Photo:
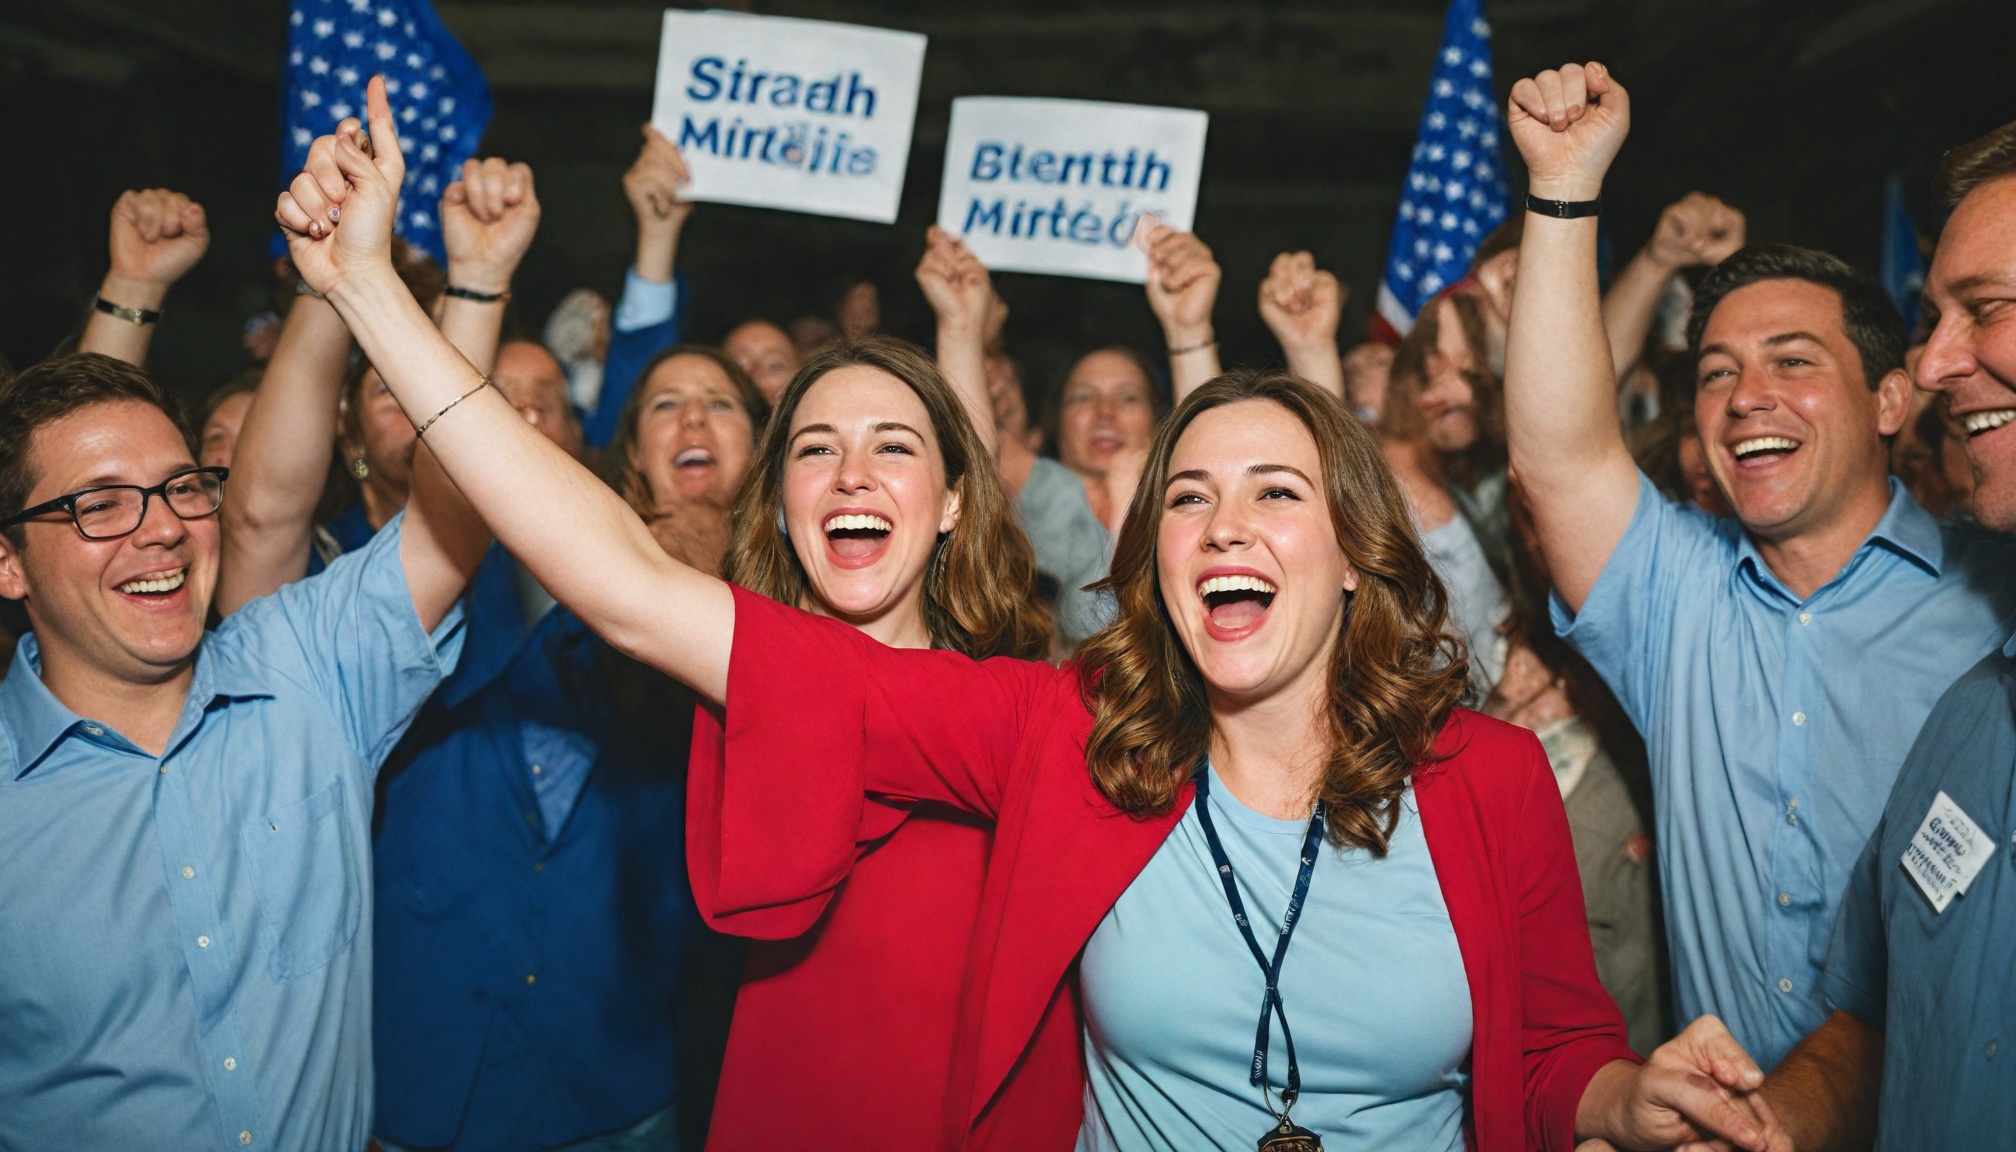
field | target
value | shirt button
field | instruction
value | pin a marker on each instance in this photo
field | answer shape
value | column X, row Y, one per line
column 1784, row 985
column 1805, row 618
column 230, row 1064
column 1992, row 1046
column 1784, row 899
column 188, row 873
column 539, row 866
column 536, row 770
column 1798, row 719
column 529, row 978
column 202, row 941
column 244, row 1137
column 94, row 729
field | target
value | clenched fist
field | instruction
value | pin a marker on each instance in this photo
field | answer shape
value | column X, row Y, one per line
column 488, row 219
column 1301, row 303
column 955, row 282
column 157, row 236
column 1695, row 231
column 1182, row 282
column 652, row 184
column 1569, row 124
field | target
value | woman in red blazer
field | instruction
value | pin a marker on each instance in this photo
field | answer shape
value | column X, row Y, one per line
column 1310, row 681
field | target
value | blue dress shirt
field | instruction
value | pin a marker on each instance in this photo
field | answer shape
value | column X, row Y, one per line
column 188, row 937
column 1775, row 727
column 1942, row 985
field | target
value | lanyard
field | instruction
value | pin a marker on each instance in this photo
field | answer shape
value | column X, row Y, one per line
column 1270, row 1005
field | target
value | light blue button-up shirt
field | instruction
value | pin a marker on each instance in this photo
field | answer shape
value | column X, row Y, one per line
column 1776, row 726
column 185, row 941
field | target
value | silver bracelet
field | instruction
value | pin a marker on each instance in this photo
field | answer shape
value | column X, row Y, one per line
column 486, row 382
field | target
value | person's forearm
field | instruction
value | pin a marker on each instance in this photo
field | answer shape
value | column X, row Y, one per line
column 120, row 339
column 475, row 327
column 572, row 533
column 1193, row 358
column 441, row 542
column 1320, row 364
column 658, row 250
column 1629, row 308
column 962, row 357
column 281, row 460
column 1825, row 1092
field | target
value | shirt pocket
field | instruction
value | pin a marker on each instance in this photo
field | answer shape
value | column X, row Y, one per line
column 308, row 883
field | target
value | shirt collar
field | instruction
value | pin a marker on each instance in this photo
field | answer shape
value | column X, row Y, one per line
column 37, row 721
column 1905, row 529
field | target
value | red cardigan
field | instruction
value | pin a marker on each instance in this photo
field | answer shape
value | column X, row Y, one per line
column 825, row 728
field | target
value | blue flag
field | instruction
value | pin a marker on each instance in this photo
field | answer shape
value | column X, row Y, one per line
column 440, row 99
column 1903, row 265
column 1455, row 193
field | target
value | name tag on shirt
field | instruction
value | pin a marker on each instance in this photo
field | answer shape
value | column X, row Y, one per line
column 1947, row 852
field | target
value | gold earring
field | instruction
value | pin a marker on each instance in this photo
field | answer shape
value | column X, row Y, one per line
column 360, row 469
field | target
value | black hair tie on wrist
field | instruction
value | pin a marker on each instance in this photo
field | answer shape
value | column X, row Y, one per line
column 1563, row 209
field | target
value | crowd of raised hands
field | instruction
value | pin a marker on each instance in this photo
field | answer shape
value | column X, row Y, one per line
column 1523, row 420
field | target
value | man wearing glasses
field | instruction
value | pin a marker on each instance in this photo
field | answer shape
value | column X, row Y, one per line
column 185, row 816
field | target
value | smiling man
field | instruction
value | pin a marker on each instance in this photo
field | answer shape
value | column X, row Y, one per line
column 1918, row 973
column 1779, row 661
column 185, row 815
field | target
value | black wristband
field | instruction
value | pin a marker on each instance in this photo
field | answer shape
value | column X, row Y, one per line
column 130, row 315
column 478, row 297
column 1563, row 209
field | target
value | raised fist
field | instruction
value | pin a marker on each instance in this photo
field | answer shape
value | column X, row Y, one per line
column 1696, row 230
column 157, row 236
column 1568, row 125
column 1301, row 303
column 955, row 282
column 338, row 212
column 488, row 219
column 1182, row 282
column 653, row 182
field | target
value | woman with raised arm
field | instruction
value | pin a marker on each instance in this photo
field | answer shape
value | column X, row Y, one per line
column 1279, row 645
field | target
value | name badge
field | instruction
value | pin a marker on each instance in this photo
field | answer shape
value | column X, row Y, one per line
column 1946, row 853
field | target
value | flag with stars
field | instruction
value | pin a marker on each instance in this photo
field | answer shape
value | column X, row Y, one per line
column 1455, row 192
column 440, row 100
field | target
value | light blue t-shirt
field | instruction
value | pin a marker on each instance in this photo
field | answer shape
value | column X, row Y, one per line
column 1373, row 985
column 1776, row 727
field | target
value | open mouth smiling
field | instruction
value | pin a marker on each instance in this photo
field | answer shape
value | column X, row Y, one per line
column 158, row 584
column 1235, row 604
column 857, row 538
column 694, row 457
column 1762, row 448
column 1977, row 423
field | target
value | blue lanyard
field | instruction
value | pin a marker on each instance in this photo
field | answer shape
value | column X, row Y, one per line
column 1270, row 1005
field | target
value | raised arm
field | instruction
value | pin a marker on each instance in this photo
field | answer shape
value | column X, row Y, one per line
column 1301, row 305
column 488, row 219
column 157, row 236
column 647, row 319
column 1560, row 389
column 1182, row 288
column 281, row 461
column 961, row 294
column 1695, row 231
column 576, row 537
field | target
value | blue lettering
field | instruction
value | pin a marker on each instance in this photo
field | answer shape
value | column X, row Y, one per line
column 976, row 216
column 987, row 162
column 1043, row 167
column 856, row 88
column 820, row 96
column 1083, row 161
column 702, row 76
column 784, row 93
column 707, row 139
column 1085, row 226
column 861, row 162
column 1148, row 171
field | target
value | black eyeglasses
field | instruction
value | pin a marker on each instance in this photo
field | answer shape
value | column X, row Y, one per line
column 115, row 510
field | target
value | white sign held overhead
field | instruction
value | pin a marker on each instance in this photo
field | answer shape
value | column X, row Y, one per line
column 803, row 115
column 1059, row 185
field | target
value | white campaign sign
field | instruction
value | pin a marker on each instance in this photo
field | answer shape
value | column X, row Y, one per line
column 803, row 115
column 1059, row 185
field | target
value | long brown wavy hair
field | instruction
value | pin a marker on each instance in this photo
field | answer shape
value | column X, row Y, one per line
column 979, row 587
column 1396, row 672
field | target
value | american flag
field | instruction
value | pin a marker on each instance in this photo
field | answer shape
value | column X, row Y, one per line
column 439, row 97
column 1456, row 192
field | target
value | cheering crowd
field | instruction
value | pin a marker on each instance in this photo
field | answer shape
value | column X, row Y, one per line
column 1589, row 723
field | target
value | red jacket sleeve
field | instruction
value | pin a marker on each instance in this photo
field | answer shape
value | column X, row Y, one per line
column 826, row 739
column 1571, row 1026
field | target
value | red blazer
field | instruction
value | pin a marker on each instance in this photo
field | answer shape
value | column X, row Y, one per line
column 825, row 728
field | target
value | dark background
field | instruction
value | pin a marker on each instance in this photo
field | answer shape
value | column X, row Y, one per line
column 1794, row 111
